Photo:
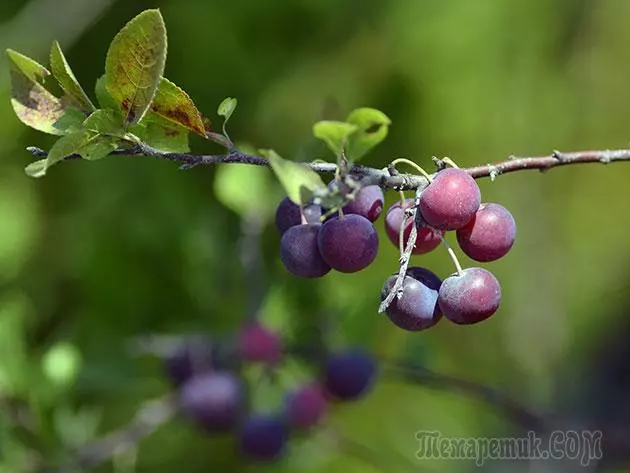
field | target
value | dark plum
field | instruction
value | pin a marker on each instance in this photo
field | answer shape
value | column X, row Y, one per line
column 256, row 343
column 213, row 400
column 193, row 355
column 288, row 214
column 263, row 437
column 470, row 297
column 348, row 375
column 348, row 244
column 489, row 235
column 427, row 239
column 368, row 202
column 450, row 200
column 299, row 251
column 418, row 307
column 305, row 407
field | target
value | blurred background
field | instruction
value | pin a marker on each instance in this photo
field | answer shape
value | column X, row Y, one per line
column 97, row 253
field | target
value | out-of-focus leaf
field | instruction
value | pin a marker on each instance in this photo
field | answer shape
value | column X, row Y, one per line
column 61, row 364
column 335, row 134
column 66, row 78
column 298, row 180
column 36, row 169
column 160, row 133
column 33, row 104
column 173, row 104
column 135, row 64
column 373, row 126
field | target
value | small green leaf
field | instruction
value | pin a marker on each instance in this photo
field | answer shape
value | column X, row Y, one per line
column 36, row 169
column 104, row 98
column 226, row 109
column 66, row 78
column 176, row 106
column 61, row 364
column 104, row 121
column 71, row 121
column 298, row 180
column 246, row 189
column 160, row 133
column 99, row 147
column 334, row 134
column 87, row 144
column 33, row 104
column 373, row 126
column 135, row 64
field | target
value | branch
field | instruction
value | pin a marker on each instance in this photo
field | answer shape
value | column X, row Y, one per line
column 381, row 177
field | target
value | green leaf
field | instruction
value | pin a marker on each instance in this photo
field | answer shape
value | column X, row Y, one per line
column 61, row 364
column 160, row 133
column 135, row 64
column 36, row 169
column 71, row 121
column 87, row 144
column 33, row 104
column 226, row 109
column 104, row 98
column 334, row 134
column 246, row 189
column 373, row 126
column 176, row 106
column 99, row 147
column 104, row 121
column 66, row 78
column 298, row 180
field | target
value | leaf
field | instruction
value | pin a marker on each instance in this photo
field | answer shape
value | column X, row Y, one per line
column 66, row 78
column 334, row 134
column 61, row 364
column 175, row 105
column 99, row 147
column 135, row 64
column 71, row 121
column 226, row 109
column 104, row 98
column 373, row 126
column 104, row 121
column 246, row 189
column 33, row 104
column 298, row 180
column 160, row 133
column 87, row 144
column 36, row 169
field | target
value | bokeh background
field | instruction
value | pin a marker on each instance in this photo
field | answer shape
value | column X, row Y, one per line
column 97, row 253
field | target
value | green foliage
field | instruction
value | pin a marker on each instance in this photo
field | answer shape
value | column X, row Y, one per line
column 298, row 180
column 36, row 168
column 335, row 134
column 173, row 104
column 61, row 364
column 373, row 126
column 162, row 134
column 105, row 122
column 104, row 98
column 225, row 110
column 33, row 104
column 135, row 64
column 64, row 75
column 71, row 121
column 87, row 144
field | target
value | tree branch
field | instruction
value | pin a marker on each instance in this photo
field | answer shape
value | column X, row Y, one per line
column 382, row 177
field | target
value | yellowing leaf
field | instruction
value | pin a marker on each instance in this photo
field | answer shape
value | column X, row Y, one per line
column 135, row 64
column 66, row 78
column 176, row 106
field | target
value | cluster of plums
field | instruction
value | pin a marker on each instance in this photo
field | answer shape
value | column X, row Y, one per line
column 348, row 242
column 218, row 400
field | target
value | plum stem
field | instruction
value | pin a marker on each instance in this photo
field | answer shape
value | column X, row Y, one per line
column 413, row 165
column 453, row 256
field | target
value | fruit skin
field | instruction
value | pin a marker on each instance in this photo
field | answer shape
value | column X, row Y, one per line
column 470, row 298
column 213, row 400
column 263, row 437
column 194, row 355
column 368, row 202
column 427, row 238
column 349, row 375
column 450, row 200
column 348, row 245
column 258, row 344
column 288, row 214
column 489, row 235
column 305, row 407
column 418, row 307
column 299, row 251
